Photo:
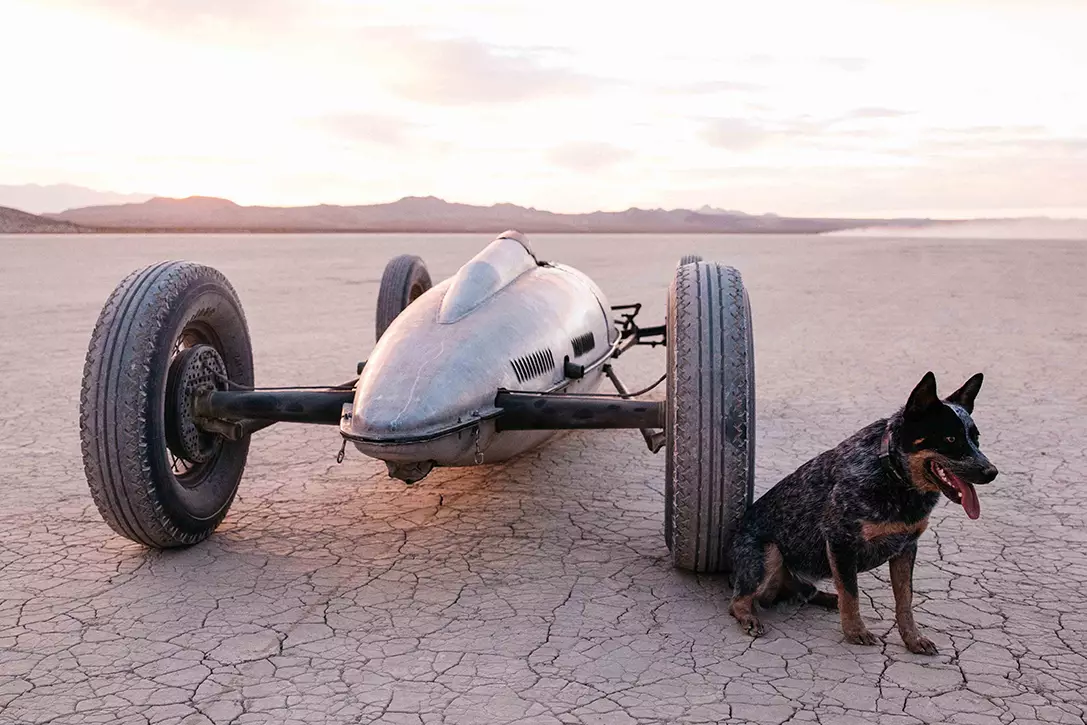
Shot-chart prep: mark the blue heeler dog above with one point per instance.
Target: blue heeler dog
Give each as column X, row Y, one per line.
column 859, row 505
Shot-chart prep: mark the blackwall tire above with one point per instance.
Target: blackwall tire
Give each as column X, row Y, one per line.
column 710, row 434
column 404, row 280
column 142, row 488
column 685, row 259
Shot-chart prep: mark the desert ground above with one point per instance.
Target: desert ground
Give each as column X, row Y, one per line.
column 541, row 591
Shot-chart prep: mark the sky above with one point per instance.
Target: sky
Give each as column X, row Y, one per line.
column 826, row 108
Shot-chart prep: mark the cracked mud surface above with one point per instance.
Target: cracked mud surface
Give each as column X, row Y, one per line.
column 540, row 591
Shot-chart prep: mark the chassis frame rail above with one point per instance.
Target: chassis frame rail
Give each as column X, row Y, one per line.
column 219, row 410
column 238, row 413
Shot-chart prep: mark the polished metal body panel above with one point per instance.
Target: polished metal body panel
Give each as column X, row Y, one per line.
column 504, row 320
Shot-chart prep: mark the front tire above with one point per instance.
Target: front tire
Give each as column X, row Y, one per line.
column 685, row 259
column 710, row 409
column 143, row 484
column 405, row 280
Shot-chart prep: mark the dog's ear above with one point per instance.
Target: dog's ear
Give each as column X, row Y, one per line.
column 965, row 395
column 923, row 396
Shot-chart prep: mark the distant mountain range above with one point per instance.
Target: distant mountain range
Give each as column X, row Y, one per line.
column 53, row 198
column 430, row 214
column 13, row 221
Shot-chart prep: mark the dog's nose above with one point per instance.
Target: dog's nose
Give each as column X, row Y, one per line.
column 989, row 473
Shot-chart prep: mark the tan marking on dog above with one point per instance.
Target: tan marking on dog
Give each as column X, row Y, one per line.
column 919, row 441
column 872, row 530
column 774, row 576
column 916, row 467
column 742, row 607
column 902, row 584
column 849, row 609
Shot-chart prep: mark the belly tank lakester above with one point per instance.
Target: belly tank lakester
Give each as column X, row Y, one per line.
column 474, row 370
column 426, row 396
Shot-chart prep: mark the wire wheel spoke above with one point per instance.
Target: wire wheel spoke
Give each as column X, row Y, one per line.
column 178, row 465
column 188, row 338
column 182, row 466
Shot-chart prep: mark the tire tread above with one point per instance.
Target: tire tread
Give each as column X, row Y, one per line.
column 400, row 274
column 114, row 396
column 711, row 421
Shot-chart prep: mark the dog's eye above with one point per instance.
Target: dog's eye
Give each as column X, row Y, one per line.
column 950, row 439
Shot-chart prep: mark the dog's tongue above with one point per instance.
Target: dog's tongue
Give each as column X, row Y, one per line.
column 969, row 497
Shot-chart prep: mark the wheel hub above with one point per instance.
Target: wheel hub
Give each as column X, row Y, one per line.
column 194, row 370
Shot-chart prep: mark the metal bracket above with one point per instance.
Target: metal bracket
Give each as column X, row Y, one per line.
column 642, row 335
column 631, row 334
column 626, row 321
column 654, row 440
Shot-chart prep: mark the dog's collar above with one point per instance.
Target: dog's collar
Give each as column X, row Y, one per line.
column 885, row 455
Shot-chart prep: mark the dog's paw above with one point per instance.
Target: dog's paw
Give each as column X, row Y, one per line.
column 752, row 626
column 861, row 636
column 920, row 645
column 744, row 612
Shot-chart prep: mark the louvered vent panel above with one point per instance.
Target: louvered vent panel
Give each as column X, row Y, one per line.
column 533, row 365
column 583, row 344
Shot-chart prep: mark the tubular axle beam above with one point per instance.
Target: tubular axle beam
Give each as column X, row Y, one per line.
column 532, row 411
column 278, row 406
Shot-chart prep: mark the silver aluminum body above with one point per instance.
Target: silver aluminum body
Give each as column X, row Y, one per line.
column 504, row 320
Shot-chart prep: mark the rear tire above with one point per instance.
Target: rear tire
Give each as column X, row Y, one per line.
column 710, row 408
column 689, row 259
column 405, row 279
column 142, row 487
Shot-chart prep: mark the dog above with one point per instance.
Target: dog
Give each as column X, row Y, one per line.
column 856, row 506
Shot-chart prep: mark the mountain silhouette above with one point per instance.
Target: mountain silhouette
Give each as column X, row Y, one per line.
column 431, row 214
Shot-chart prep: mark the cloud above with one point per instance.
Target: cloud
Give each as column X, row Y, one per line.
column 931, row 186
column 986, row 170
column 1002, row 141
column 741, row 134
column 850, row 65
column 1056, row 146
column 588, row 156
column 462, row 71
column 874, row 112
column 744, row 134
column 367, row 128
column 710, row 87
column 975, row 131
column 180, row 17
column 735, row 134
column 993, row 183
column 416, row 62
column 783, row 57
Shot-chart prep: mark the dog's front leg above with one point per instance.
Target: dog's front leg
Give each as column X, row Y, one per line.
column 843, row 565
column 902, row 583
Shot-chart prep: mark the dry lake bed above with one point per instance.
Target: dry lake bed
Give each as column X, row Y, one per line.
column 540, row 591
